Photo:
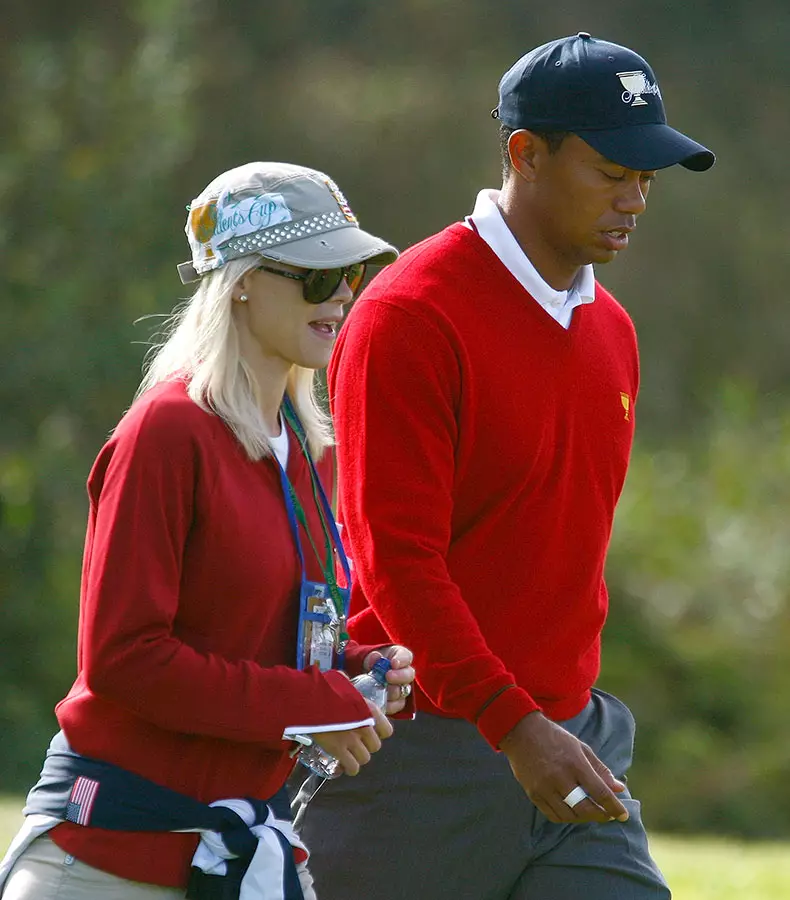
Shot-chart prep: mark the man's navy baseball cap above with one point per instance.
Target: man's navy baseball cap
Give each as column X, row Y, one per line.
column 605, row 94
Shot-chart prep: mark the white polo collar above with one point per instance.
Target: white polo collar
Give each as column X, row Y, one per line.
column 492, row 229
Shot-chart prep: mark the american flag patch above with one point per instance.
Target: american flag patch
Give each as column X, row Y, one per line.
column 341, row 201
column 83, row 796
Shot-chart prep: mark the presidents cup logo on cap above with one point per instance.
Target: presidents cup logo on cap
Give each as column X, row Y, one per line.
column 200, row 228
column 636, row 84
column 215, row 222
column 279, row 211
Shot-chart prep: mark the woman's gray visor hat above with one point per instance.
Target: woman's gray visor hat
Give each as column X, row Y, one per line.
column 287, row 213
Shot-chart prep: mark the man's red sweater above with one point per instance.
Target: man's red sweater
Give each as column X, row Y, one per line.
column 188, row 620
column 482, row 448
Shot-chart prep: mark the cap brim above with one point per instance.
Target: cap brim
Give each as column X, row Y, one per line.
column 331, row 249
column 187, row 273
column 648, row 147
column 327, row 250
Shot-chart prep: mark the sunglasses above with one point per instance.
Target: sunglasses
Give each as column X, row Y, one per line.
column 319, row 285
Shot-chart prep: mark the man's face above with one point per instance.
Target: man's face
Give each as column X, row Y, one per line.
column 585, row 204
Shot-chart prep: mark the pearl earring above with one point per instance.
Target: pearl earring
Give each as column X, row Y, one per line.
column 243, row 298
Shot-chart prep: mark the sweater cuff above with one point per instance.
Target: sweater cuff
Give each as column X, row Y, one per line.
column 503, row 712
column 409, row 711
column 356, row 654
column 343, row 686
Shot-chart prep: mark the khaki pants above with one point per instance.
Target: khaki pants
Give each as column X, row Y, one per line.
column 45, row 872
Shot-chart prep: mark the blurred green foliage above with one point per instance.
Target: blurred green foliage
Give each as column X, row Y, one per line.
column 697, row 638
column 116, row 115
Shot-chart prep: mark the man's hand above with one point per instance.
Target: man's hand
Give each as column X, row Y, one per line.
column 354, row 747
column 549, row 763
column 399, row 677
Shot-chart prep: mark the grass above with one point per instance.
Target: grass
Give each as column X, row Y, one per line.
column 10, row 819
column 721, row 869
column 696, row 868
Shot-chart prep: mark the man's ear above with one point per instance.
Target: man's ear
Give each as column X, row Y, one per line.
column 524, row 149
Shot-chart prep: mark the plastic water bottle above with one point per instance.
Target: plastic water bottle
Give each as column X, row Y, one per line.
column 373, row 686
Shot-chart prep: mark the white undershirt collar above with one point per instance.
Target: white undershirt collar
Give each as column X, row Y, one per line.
column 279, row 444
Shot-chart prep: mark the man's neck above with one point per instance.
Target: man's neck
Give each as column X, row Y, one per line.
column 556, row 272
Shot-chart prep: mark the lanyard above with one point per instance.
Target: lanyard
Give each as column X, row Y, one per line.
column 296, row 515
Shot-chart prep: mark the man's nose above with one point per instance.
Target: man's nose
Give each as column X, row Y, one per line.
column 633, row 198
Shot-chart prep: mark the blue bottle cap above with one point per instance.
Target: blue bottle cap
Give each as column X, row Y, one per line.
column 380, row 669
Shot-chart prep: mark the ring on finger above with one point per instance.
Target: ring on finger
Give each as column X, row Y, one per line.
column 405, row 690
column 575, row 797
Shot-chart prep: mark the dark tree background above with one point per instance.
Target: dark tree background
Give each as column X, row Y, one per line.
column 115, row 115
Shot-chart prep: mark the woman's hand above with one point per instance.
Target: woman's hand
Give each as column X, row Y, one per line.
column 399, row 677
column 354, row 747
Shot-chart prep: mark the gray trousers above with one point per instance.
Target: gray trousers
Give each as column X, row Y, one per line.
column 438, row 815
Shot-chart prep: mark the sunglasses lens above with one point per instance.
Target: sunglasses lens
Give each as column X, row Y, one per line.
column 355, row 275
column 321, row 284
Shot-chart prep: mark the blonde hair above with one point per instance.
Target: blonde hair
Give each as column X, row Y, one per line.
column 199, row 343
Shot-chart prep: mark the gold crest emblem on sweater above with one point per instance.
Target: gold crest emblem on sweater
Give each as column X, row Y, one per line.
column 626, row 401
